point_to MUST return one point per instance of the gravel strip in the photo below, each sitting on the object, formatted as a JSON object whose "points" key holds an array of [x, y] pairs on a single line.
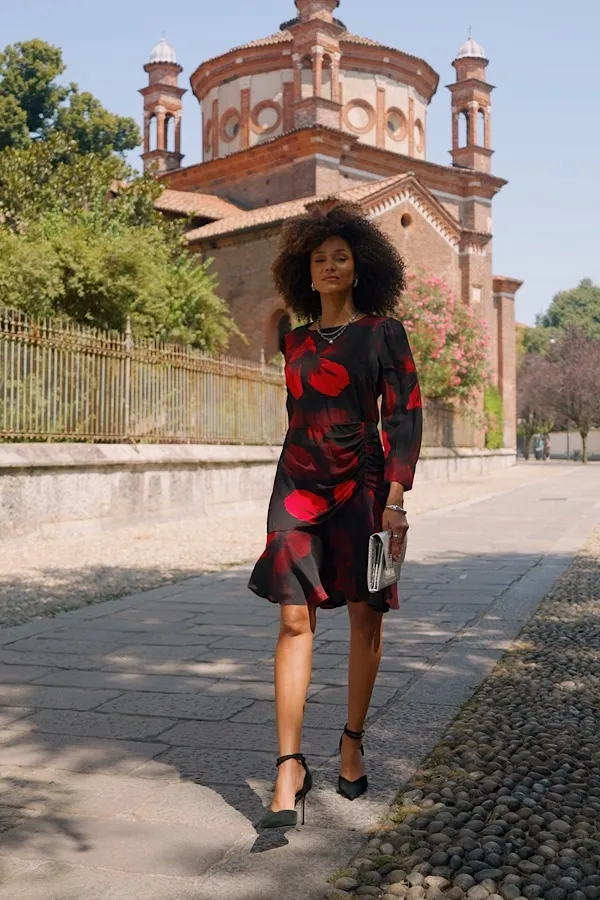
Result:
{"points": [[45, 576], [508, 804]]}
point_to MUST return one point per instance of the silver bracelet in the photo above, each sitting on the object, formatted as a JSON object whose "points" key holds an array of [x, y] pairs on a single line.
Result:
{"points": [[396, 508]]}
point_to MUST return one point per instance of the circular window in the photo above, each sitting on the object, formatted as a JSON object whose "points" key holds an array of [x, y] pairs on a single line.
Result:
{"points": [[266, 117], [406, 220], [359, 116], [419, 137], [396, 124], [230, 125]]}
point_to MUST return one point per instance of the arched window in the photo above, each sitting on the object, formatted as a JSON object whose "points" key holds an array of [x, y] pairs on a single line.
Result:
{"points": [[463, 128], [307, 77], [326, 89], [152, 133], [481, 120], [169, 133]]}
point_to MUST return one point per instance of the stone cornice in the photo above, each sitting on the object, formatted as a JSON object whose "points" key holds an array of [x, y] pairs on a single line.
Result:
{"points": [[503, 284], [461, 181]]}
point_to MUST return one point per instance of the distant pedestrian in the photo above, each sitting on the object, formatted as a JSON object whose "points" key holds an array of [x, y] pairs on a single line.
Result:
{"points": [[547, 447], [336, 484]]}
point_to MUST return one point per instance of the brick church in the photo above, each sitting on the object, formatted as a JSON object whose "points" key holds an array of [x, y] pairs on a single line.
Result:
{"points": [[312, 114]]}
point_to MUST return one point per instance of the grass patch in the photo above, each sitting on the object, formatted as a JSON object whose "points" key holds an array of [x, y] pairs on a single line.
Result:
{"points": [[400, 814], [342, 873]]}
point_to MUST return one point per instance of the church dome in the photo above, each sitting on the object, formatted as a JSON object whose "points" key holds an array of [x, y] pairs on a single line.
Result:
{"points": [[471, 50], [293, 80], [163, 53]]}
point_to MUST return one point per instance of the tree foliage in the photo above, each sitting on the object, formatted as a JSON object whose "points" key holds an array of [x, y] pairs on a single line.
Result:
{"points": [[573, 386], [53, 176], [80, 237], [535, 408], [450, 342], [577, 309], [493, 409], [34, 106], [562, 385]]}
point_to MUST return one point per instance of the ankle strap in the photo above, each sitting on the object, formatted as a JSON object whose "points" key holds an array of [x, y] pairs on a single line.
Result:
{"points": [[355, 735], [297, 756]]}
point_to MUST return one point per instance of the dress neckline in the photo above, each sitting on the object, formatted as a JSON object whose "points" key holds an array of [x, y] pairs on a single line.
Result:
{"points": [[336, 327]]}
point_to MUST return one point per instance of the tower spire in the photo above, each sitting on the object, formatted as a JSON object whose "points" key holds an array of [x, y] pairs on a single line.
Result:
{"points": [[316, 9], [471, 108], [162, 109]]}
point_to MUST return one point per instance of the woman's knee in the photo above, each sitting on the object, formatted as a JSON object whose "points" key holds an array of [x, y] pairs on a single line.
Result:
{"points": [[365, 622], [296, 621]]}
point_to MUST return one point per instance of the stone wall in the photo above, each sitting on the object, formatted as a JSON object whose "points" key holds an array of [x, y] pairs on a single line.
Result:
{"points": [[47, 489]]}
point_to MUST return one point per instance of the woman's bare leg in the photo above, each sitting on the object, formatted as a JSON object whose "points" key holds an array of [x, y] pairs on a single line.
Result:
{"points": [[293, 663], [363, 665]]}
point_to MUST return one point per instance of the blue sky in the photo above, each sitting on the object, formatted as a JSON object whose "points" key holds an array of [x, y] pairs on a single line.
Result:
{"points": [[544, 62]]}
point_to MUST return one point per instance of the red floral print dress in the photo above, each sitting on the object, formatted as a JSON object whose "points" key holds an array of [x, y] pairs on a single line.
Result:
{"points": [[334, 472]]}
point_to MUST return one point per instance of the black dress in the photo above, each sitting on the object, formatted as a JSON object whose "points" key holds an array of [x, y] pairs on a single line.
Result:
{"points": [[333, 476]]}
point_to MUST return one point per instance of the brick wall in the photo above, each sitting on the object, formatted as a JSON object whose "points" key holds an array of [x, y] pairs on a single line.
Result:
{"points": [[245, 283], [507, 362], [290, 182], [421, 245]]}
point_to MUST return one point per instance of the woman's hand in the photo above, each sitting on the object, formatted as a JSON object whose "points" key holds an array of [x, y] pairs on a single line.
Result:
{"points": [[396, 523]]}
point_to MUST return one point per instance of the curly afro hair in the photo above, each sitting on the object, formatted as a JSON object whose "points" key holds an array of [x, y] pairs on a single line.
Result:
{"points": [[379, 267]]}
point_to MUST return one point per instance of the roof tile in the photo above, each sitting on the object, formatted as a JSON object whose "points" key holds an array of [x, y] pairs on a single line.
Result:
{"points": [[280, 212], [191, 203]]}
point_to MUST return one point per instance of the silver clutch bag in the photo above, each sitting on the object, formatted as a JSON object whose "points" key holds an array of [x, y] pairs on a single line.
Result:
{"points": [[381, 570]]}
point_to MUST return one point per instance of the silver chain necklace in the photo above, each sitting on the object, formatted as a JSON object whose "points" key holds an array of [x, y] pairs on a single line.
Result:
{"points": [[334, 335]]}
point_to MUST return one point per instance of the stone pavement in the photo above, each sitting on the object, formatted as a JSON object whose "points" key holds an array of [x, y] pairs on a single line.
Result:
{"points": [[138, 744]]}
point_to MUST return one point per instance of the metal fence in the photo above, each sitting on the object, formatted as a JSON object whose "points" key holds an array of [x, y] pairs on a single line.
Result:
{"points": [[64, 382], [61, 381]]}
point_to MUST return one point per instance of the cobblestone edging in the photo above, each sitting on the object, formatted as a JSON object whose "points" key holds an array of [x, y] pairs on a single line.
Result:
{"points": [[508, 804]]}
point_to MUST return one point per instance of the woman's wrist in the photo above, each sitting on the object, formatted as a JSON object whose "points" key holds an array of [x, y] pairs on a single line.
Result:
{"points": [[396, 507], [396, 494]]}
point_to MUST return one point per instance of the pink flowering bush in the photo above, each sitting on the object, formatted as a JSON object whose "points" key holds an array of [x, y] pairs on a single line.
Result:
{"points": [[449, 340]]}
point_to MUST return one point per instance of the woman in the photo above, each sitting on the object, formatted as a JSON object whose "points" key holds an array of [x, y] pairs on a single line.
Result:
{"points": [[335, 483]]}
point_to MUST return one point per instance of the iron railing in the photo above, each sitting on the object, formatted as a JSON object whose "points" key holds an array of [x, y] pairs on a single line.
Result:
{"points": [[61, 381], [65, 382]]}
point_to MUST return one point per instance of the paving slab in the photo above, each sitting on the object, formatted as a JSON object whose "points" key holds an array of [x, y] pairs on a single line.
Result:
{"points": [[24, 747], [178, 706], [131, 681], [138, 754], [56, 697]]}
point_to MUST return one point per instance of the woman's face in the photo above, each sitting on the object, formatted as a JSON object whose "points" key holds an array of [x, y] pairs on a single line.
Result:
{"points": [[332, 266]]}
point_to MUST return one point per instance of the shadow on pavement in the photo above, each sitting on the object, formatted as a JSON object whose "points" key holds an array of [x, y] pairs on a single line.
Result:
{"points": [[167, 703]]}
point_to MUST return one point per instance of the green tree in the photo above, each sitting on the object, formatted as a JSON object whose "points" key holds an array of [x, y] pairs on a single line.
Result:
{"points": [[53, 176], [93, 128], [80, 237], [34, 106], [577, 309]]}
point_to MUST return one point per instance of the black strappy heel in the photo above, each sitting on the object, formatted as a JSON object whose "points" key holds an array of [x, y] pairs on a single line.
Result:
{"points": [[287, 818], [352, 789]]}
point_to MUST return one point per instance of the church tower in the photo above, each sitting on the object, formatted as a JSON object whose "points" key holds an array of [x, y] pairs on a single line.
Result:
{"points": [[162, 110], [316, 59], [471, 109]]}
